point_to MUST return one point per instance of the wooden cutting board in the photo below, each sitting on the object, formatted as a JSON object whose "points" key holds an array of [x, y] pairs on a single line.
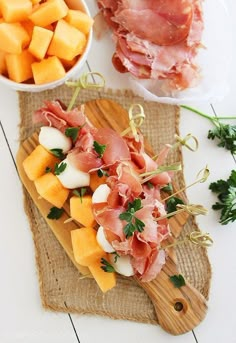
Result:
{"points": [[179, 310]]}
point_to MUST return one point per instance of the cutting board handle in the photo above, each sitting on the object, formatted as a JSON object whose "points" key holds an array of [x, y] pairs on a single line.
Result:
{"points": [[178, 310]]}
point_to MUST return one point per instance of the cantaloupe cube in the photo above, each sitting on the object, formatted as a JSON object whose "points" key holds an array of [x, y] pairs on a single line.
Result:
{"points": [[67, 41], [28, 26], [50, 188], [105, 280], [81, 210], [69, 64], [19, 66], [85, 246], [80, 20], [40, 41], [36, 163], [48, 12], [15, 10], [13, 37], [96, 181], [48, 70], [3, 66]]}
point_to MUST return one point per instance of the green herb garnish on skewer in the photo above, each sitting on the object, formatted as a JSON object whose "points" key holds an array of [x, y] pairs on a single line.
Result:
{"points": [[133, 223]]}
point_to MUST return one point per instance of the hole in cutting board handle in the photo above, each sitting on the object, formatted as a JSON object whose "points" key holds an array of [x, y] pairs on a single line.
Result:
{"points": [[180, 306]]}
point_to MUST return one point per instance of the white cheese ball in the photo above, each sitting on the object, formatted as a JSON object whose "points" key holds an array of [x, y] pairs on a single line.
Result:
{"points": [[102, 241], [101, 194], [122, 265], [72, 177], [52, 138]]}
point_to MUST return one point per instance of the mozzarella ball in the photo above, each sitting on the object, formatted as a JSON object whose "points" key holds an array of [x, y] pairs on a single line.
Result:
{"points": [[52, 138], [122, 265], [72, 177], [101, 194], [102, 241]]}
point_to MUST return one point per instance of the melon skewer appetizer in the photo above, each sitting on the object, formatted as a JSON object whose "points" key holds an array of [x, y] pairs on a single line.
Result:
{"points": [[113, 188]]}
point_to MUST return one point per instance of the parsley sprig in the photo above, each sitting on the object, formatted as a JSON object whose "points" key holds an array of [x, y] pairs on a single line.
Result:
{"points": [[99, 148], [226, 191], [80, 193], [106, 266], [225, 133], [177, 280], [55, 213], [58, 153], [59, 168], [134, 224]]}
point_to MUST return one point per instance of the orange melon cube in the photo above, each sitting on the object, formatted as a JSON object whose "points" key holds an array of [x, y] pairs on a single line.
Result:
{"points": [[13, 37], [19, 66], [36, 163], [81, 210], [3, 66], [67, 41], [50, 188], [105, 280], [15, 10], [28, 26], [48, 12], [96, 181], [68, 64], [80, 20], [48, 70], [40, 41], [85, 246]]}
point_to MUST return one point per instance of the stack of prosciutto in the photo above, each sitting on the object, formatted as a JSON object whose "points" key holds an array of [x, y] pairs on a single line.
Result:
{"points": [[156, 39], [124, 161]]}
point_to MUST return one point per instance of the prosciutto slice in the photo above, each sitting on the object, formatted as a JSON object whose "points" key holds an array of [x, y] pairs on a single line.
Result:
{"points": [[156, 39], [116, 149]]}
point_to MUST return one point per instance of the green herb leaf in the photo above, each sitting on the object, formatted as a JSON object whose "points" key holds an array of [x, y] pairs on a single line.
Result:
{"points": [[59, 168], [106, 266], [171, 204], [55, 213], [126, 216], [134, 224], [135, 205], [168, 188], [226, 191], [80, 193], [58, 153], [177, 280], [226, 135], [72, 132], [150, 185], [48, 170], [102, 173], [129, 229], [99, 148], [116, 256], [139, 224]]}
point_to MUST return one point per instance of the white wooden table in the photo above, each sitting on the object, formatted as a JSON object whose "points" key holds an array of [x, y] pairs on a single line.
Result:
{"points": [[22, 318]]}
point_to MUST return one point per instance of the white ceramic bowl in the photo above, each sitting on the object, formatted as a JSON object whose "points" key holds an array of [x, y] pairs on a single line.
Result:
{"points": [[71, 74]]}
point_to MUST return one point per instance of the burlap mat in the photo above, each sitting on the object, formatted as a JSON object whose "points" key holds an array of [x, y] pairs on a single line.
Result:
{"points": [[61, 287]]}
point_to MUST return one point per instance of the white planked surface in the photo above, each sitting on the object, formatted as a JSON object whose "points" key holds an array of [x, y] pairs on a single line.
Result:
{"points": [[22, 318]]}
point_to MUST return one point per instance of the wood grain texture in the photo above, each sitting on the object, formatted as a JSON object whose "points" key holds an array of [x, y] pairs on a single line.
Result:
{"points": [[164, 296]]}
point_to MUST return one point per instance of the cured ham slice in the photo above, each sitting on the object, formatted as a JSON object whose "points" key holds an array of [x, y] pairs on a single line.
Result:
{"points": [[84, 161], [53, 114], [116, 148], [156, 40]]}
